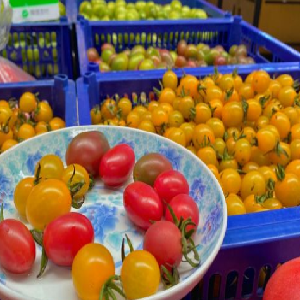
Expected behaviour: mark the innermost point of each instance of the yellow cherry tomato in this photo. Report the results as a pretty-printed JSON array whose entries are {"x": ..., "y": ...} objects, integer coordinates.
[
  {"x": 295, "y": 149},
  {"x": 242, "y": 151},
  {"x": 152, "y": 105},
  {"x": 219, "y": 146},
  {"x": 26, "y": 131},
  {"x": 125, "y": 107},
  {"x": 147, "y": 126},
  {"x": 282, "y": 123},
  {"x": 203, "y": 134},
  {"x": 251, "y": 204},
  {"x": 235, "y": 205},
  {"x": 140, "y": 264},
  {"x": 167, "y": 95},
  {"x": 293, "y": 168},
  {"x": 96, "y": 116},
  {"x": 177, "y": 135},
  {"x": 262, "y": 121},
  {"x": 49, "y": 167},
  {"x": 250, "y": 166},
  {"x": 43, "y": 112},
  {"x": 231, "y": 181},
  {"x": 261, "y": 81},
  {"x": 287, "y": 96},
  {"x": 175, "y": 118},
  {"x": 287, "y": 190},
  {"x": 77, "y": 179},
  {"x": 285, "y": 80},
  {"x": 133, "y": 119},
  {"x": 22, "y": 191},
  {"x": 5, "y": 115},
  {"x": 47, "y": 201},
  {"x": 8, "y": 144},
  {"x": 232, "y": 114},
  {"x": 253, "y": 183},
  {"x": 281, "y": 155},
  {"x": 295, "y": 131},
  {"x": 214, "y": 170},
  {"x": 57, "y": 123},
  {"x": 217, "y": 127},
  {"x": 167, "y": 107},
  {"x": 188, "y": 129},
  {"x": 28, "y": 102},
  {"x": 41, "y": 127},
  {"x": 186, "y": 105},
  {"x": 170, "y": 80},
  {"x": 268, "y": 173},
  {"x": 201, "y": 113},
  {"x": 159, "y": 117},
  {"x": 91, "y": 268},
  {"x": 207, "y": 155},
  {"x": 254, "y": 110},
  {"x": 272, "y": 203},
  {"x": 109, "y": 109}
]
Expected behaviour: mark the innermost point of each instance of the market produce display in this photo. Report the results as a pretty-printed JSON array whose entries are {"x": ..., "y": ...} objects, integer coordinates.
[
  {"x": 100, "y": 10},
  {"x": 185, "y": 56},
  {"x": 157, "y": 202},
  {"x": 247, "y": 132},
  {"x": 24, "y": 118}
]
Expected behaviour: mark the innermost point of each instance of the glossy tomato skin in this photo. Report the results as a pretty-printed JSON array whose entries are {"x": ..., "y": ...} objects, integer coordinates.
[
  {"x": 142, "y": 204},
  {"x": 140, "y": 264},
  {"x": 163, "y": 241},
  {"x": 170, "y": 184},
  {"x": 116, "y": 165},
  {"x": 150, "y": 166},
  {"x": 17, "y": 247},
  {"x": 65, "y": 236},
  {"x": 91, "y": 268},
  {"x": 87, "y": 149},
  {"x": 186, "y": 207}
]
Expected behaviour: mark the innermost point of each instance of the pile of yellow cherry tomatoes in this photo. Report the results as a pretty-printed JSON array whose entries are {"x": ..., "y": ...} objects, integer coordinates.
[
  {"x": 246, "y": 131},
  {"x": 25, "y": 118}
]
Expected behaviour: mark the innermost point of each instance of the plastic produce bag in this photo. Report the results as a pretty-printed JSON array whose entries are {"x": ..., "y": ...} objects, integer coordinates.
[{"x": 9, "y": 72}]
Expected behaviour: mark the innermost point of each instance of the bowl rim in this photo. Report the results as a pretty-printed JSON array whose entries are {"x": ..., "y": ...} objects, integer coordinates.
[{"x": 18, "y": 295}]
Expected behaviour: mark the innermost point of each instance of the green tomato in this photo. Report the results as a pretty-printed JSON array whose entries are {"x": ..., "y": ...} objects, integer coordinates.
[
  {"x": 111, "y": 5},
  {"x": 106, "y": 54},
  {"x": 140, "y": 5},
  {"x": 174, "y": 55},
  {"x": 209, "y": 58},
  {"x": 94, "y": 18},
  {"x": 132, "y": 16},
  {"x": 130, "y": 6},
  {"x": 134, "y": 61},
  {"x": 85, "y": 8},
  {"x": 120, "y": 63},
  {"x": 151, "y": 51},
  {"x": 138, "y": 49},
  {"x": 99, "y": 10},
  {"x": 104, "y": 67},
  {"x": 176, "y": 5},
  {"x": 174, "y": 15},
  {"x": 200, "y": 14},
  {"x": 143, "y": 15},
  {"x": 121, "y": 17},
  {"x": 120, "y": 2},
  {"x": 146, "y": 64},
  {"x": 95, "y": 2},
  {"x": 62, "y": 9}
]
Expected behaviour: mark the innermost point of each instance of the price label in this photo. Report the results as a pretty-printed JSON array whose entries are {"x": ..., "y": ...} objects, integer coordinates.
[{"x": 34, "y": 10}]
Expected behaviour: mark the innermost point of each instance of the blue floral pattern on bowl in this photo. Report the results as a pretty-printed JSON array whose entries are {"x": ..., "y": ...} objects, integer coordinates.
[{"x": 104, "y": 208}]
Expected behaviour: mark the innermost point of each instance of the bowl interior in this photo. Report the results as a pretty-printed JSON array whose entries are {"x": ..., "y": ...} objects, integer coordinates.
[{"x": 104, "y": 208}]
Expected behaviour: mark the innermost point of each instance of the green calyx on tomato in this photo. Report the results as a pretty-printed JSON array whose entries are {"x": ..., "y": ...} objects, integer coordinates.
[{"x": 2, "y": 213}]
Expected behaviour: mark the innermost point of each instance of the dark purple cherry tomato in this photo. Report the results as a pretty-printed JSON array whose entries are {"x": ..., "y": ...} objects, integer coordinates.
[
  {"x": 150, "y": 166},
  {"x": 87, "y": 149},
  {"x": 65, "y": 236},
  {"x": 170, "y": 184},
  {"x": 184, "y": 206},
  {"x": 116, "y": 165},
  {"x": 17, "y": 247},
  {"x": 142, "y": 204}
]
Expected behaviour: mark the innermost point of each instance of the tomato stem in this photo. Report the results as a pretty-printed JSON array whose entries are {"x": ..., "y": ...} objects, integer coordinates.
[
  {"x": 92, "y": 182},
  {"x": 123, "y": 246},
  {"x": 107, "y": 291},
  {"x": 37, "y": 236},
  {"x": 2, "y": 213},
  {"x": 37, "y": 177},
  {"x": 170, "y": 278},
  {"x": 44, "y": 261}
]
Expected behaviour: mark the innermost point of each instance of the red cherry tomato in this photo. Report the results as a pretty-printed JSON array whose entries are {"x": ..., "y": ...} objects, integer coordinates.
[
  {"x": 142, "y": 204},
  {"x": 170, "y": 184},
  {"x": 117, "y": 165},
  {"x": 65, "y": 236},
  {"x": 186, "y": 207},
  {"x": 87, "y": 149},
  {"x": 163, "y": 241},
  {"x": 17, "y": 247}
]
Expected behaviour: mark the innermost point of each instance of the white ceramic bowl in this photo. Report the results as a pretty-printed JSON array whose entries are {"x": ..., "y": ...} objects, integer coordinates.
[{"x": 105, "y": 210}]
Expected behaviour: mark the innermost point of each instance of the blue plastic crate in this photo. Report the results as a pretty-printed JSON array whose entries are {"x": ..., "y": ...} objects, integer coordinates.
[
  {"x": 60, "y": 93},
  {"x": 253, "y": 241},
  {"x": 211, "y": 10},
  {"x": 226, "y": 32},
  {"x": 42, "y": 49}
]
